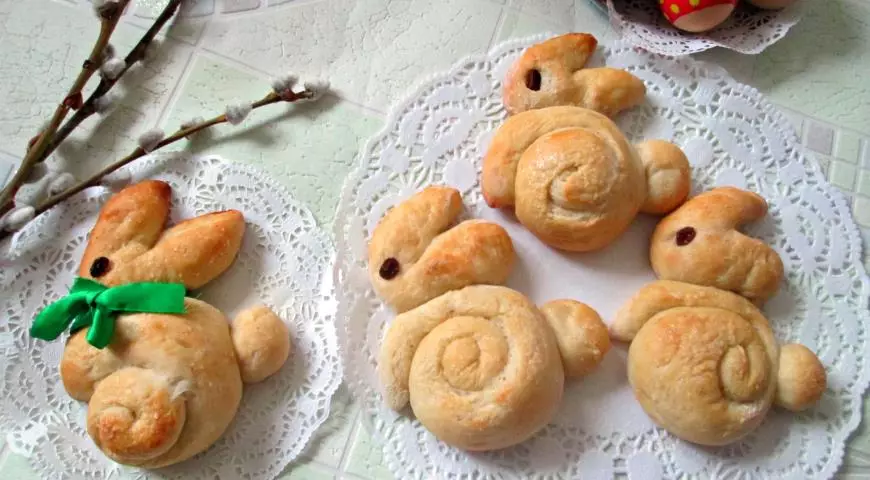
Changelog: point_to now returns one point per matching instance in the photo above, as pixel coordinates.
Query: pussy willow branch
(179, 134)
(136, 54)
(72, 100)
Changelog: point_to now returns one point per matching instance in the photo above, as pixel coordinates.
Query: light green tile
(856, 463)
(307, 471)
(848, 146)
(329, 441)
(373, 51)
(863, 186)
(861, 210)
(516, 25)
(365, 458)
(309, 147)
(842, 174)
(44, 45)
(551, 18)
(820, 67)
(17, 467)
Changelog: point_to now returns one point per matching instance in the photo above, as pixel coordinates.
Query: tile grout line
(177, 90)
(265, 7)
(348, 443)
(807, 116)
(5, 452)
(251, 70)
(499, 23)
(311, 461)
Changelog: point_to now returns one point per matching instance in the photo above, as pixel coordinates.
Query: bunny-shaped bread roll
(416, 253)
(574, 180)
(699, 243)
(483, 368)
(551, 73)
(704, 363)
(167, 385)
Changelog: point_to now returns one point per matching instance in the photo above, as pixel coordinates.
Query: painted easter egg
(697, 15)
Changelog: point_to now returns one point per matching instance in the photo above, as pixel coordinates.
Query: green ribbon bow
(92, 304)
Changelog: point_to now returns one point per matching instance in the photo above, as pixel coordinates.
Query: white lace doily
(732, 136)
(748, 30)
(284, 262)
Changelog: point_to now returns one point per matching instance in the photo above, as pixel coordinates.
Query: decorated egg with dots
(697, 15)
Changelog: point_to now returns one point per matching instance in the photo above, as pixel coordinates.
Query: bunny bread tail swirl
(704, 364)
(574, 180)
(167, 385)
(416, 253)
(700, 243)
(552, 73)
(154, 399)
(482, 368)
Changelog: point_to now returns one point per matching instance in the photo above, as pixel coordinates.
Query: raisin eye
(389, 269)
(533, 80)
(685, 236)
(100, 267)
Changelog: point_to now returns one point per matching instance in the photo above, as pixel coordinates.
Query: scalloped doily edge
(331, 387)
(341, 216)
(795, 10)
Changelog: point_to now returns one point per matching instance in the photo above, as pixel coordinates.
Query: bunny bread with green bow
(162, 373)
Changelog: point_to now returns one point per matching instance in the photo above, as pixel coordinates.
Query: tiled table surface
(373, 51)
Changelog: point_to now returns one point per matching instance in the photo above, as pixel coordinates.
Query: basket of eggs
(682, 27)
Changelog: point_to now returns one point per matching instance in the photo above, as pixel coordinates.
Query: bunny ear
(542, 75)
(414, 255)
(129, 223)
(607, 90)
(700, 243)
(193, 252)
(552, 73)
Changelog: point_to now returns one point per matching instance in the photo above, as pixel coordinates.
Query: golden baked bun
(801, 378)
(552, 73)
(416, 253)
(167, 386)
(131, 244)
(582, 337)
(481, 367)
(704, 364)
(700, 243)
(574, 180)
(261, 341)
(165, 390)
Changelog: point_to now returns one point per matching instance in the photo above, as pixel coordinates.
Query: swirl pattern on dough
(704, 363)
(167, 386)
(573, 178)
(482, 368)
